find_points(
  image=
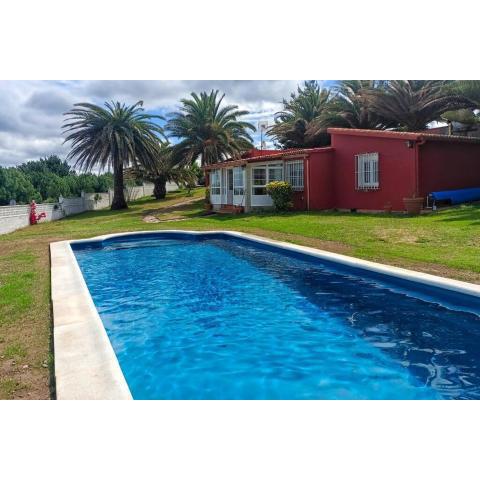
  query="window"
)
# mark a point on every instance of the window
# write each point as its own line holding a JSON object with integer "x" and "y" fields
{"x": 275, "y": 173}
{"x": 238, "y": 186}
{"x": 261, "y": 176}
{"x": 294, "y": 174}
{"x": 366, "y": 171}
{"x": 215, "y": 182}
{"x": 259, "y": 181}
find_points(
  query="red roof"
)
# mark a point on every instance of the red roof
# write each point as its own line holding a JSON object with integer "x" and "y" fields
{"x": 418, "y": 136}
{"x": 291, "y": 152}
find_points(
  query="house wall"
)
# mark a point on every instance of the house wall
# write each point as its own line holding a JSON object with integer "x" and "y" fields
{"x": 448, "y": 166}
{"x": 319, "y": 190}
{"x": 397, "y": 175}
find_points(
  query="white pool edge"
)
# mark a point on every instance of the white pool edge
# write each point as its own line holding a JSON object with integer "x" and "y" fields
{"x": 86, "y": 366}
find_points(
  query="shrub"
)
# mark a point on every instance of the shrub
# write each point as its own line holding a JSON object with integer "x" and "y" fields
{"x": 282, "y": 194}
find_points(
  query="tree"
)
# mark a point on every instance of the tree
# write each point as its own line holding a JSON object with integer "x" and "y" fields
{"x": 199, "y": 173}
{"x": 51, "y": 187}
{"x": 412, "y": 104}
{"x": 302, "y": 122}
{"x": 350, "y": 106}
{"x": 165, "y": 169}
{"x": 15, "y": 185}
{"x": 470, "y": 89}
{"x": 117, "y": 136}
{"x": 208, "y": 130}
{"x": 51, "y": 164}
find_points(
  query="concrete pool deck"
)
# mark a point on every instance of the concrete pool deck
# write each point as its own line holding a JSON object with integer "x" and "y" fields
{"x": 86, "y": 366}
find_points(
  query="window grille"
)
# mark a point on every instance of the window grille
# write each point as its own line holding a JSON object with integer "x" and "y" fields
{"x": 366, "y": 171}
{"x": 294, "y": 174}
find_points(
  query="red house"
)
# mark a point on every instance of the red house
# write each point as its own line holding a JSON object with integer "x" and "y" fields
{"x": 361, "y": 170}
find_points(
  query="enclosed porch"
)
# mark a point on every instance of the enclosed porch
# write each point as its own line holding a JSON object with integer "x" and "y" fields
{"x": 238, "y": 188}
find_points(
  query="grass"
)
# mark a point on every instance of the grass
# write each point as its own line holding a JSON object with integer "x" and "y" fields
{"x": 15, "y": 350}
{"x": 444, "y": 243}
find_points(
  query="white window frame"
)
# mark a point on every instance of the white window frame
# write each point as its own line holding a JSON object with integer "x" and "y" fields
{"x": 238, "y": 181}
{"x": 215, "y": 182}
{"x": 294, "y": 174}
{"x": 259, "y": 185}
{"x": 268, "y": 176}
{"x": 367, "y": 173}
{"x": 278, "y": 167}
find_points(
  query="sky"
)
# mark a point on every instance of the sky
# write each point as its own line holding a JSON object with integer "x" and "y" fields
{"x": 31, "y": 112}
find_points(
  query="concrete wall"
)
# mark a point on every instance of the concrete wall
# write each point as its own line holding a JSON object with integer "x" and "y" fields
{"x": 13, "y": 217}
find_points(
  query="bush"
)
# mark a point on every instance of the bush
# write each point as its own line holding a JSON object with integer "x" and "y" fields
{"x": 282, "y": 194}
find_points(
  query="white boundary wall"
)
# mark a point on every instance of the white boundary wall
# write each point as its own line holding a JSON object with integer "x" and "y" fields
{"x": 13, "y": 217}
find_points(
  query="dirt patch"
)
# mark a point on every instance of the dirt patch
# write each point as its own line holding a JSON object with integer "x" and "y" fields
{"x": 151, "y": 215}
{"x": 150, "y": 219}
{"x": 20, "y": 380}
{"x": 389, "y": 235}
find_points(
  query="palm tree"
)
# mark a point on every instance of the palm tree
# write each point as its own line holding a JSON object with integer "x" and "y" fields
{"x": 350, "y": 106}
{"x": 301, "y": 122}
{"x": 208, "y": 130}
{"x": 115, "y": 136}
{"x": 470, "y": 89}
{"x": 413, "y": 104}
{"x": 165, "y": 169}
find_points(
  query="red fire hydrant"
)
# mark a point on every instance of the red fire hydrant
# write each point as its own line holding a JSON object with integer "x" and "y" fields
{"x": 34, "y": 218}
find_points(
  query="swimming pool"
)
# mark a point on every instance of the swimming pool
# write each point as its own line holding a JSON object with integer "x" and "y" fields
{"x": 217, "y": 317}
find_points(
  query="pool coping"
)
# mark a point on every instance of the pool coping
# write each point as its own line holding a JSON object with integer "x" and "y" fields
{"x": 86, "y": 366}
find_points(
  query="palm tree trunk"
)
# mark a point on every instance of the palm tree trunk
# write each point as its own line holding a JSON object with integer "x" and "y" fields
{"x": 119, "y": 201}
{"x": 160, "y": 187}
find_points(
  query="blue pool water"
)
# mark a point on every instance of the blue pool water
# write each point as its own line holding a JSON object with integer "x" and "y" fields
{"x": 219, "y": 318}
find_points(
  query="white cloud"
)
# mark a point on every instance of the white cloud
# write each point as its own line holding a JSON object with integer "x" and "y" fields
{"x": 31, "y": 112}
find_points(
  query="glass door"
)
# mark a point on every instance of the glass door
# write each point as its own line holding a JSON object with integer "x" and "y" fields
{"x": 239, "y": 186}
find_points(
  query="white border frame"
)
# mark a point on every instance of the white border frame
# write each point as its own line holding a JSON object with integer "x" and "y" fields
{"x": 86, "y": 366}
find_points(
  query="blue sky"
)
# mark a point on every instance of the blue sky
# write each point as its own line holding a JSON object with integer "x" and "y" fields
{"x": 31, "y": 111}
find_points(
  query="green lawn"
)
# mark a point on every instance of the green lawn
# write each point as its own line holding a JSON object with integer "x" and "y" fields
{"x": 445, "y": 243}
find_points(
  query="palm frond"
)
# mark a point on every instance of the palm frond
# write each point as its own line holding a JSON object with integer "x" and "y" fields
{"x": 208, "y": 130}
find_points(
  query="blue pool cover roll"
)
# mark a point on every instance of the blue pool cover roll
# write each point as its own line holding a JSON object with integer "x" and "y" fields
{"x": 457, "y": 196}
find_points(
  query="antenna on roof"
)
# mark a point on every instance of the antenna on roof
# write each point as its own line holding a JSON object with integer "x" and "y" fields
{"x": 262, "y": 126}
